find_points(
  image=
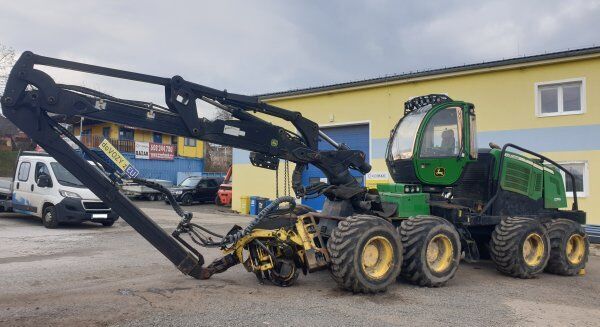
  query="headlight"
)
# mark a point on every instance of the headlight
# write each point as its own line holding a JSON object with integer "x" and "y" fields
{"x": 418, "y": 189}
{"x": 407, "y": 189}
{"x": 69, "y": 194}
{"x": 177, "y": 192}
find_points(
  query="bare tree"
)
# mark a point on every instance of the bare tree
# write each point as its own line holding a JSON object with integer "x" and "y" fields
{"x": 217, "y": 158}
{"x": 7, "y": 60}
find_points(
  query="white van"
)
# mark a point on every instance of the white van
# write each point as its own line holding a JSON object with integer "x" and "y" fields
{"x": 44, "y": 188}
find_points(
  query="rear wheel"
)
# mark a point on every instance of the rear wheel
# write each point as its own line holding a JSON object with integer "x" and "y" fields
{"x": 49, "y": 217}
{"x": 431, "y": 250}
{"x": 569, "y": 248}
{"x": 366, "y": 254}
{"x": 520, "y": 247}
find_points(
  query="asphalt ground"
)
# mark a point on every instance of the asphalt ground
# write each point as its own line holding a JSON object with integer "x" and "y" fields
{"x": 90, "y": 275}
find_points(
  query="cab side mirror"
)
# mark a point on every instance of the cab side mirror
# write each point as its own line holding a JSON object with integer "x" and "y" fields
{"x": 44, "y": 180}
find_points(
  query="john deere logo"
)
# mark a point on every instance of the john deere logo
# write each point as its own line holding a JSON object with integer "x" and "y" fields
{"x": 439, "y": 172}
{"x": 274, "y": 142}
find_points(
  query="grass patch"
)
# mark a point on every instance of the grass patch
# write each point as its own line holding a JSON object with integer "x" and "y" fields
{"x": 8, "y": 159}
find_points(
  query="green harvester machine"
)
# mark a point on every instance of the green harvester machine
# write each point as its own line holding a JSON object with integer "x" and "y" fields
{"x": 503, "y": 204}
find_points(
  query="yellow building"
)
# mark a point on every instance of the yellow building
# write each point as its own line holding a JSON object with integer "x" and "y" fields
{"x": 546, "y": 103}
{"x": 93, "y": 132}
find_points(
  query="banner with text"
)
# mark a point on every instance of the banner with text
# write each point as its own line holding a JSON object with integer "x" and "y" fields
{"x": 157, "y": 151}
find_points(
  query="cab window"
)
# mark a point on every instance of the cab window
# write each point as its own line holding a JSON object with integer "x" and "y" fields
{"x": 442, "y": 135}
{"x": 41, "y": 169}
{"x": 24, "y": 171}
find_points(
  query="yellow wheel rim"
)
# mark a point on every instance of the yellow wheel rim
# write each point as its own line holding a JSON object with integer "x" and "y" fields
{"x": 440, "y": 253}
{"x": 377, "y": 257}
{"x": 533, "y": 249}
{"x": 575, "y": 249}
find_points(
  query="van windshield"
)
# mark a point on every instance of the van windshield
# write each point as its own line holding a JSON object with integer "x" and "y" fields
{"x": 64, "y": 177}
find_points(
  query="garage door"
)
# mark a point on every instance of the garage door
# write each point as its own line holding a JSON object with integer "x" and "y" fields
{"x": 356, "y": 137}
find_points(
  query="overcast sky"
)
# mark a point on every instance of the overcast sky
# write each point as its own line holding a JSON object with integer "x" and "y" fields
{"x": 263, "y": 46}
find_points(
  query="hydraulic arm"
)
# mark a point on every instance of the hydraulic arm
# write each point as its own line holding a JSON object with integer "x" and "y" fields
{"x": 33, "y": 100}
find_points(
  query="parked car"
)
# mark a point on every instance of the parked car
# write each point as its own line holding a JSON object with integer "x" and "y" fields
{"x": 42, "y": 187}
{"x": 137, "y": 191}
{"x": 196, "y": 189}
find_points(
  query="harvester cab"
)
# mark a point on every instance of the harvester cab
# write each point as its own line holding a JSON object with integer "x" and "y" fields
{"x": 434, "y": 141}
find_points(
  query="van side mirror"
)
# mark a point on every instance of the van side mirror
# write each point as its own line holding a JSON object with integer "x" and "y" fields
{"x": 44, "y": 181}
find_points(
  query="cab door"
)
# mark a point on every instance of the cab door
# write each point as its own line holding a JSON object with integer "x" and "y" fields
{"x": 40, "y": 193}
{"x": 22, "y": 188}
{"x": 441, "y": 146}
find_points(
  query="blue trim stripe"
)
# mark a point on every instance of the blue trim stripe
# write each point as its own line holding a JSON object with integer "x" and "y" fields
{"x": 547, "y": 139}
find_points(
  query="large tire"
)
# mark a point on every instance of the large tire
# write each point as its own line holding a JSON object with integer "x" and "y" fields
{"x": 431, "y": 250}
{"x": 366, "y": 254}
{"x": 49, "y": 217}
{"x": 520, "y": 247}
{"x": 569, "y": 247}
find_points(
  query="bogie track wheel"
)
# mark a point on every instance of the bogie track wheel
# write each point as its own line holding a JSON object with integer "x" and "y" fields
{"x": 520, "y": 247}
{"x": 569, "y": 247}
{"x": 366, "y": 254}
{"x": 431, "y": 250}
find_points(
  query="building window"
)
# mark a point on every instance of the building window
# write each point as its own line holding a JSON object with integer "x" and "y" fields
{"x": 156, "y": 137}
{"x": 189, "y": 141}
{"x": 579, "y": 169}
{"x": 106, "y": 132}
{"x": 86, "y": 131}
{"x": 126, "y": 134}
{"x": 174, "y": 139}
{"x": 560, "y": 97}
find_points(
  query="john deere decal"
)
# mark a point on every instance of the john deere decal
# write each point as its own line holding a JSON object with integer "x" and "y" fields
{"x": 439, "y": 172}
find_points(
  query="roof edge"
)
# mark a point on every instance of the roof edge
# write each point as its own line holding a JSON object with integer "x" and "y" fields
{"x": 372, "y": 82}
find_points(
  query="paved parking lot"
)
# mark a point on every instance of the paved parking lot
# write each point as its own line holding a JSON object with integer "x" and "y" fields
{"x": 96, "y": 276}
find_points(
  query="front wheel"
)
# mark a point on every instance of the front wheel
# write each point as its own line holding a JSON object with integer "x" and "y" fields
{"x": 49, "y": 217}
{"x": 108, "y": 223}
{"x": 186, "y": 200}
{"x": 431, "y": 250}
{"x": 366, "y": 254}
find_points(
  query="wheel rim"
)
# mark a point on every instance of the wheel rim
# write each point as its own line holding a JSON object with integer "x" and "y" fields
{"x": 48, "y": 216}
{"x": 377, "y": 257}
{"x": 440, "y": 253}
{"x": 575, "y": 249}
{"x": 533, "y": 249}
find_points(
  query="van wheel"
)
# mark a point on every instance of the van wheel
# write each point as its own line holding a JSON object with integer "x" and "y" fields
{"x": 108, "y": 223}
{"x": 49, "y": 217}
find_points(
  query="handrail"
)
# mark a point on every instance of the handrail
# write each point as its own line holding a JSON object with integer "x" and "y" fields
{"x": 487, "y": 206}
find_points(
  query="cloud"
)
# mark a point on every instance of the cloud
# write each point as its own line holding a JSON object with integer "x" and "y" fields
{"x": 262, "y": 46}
